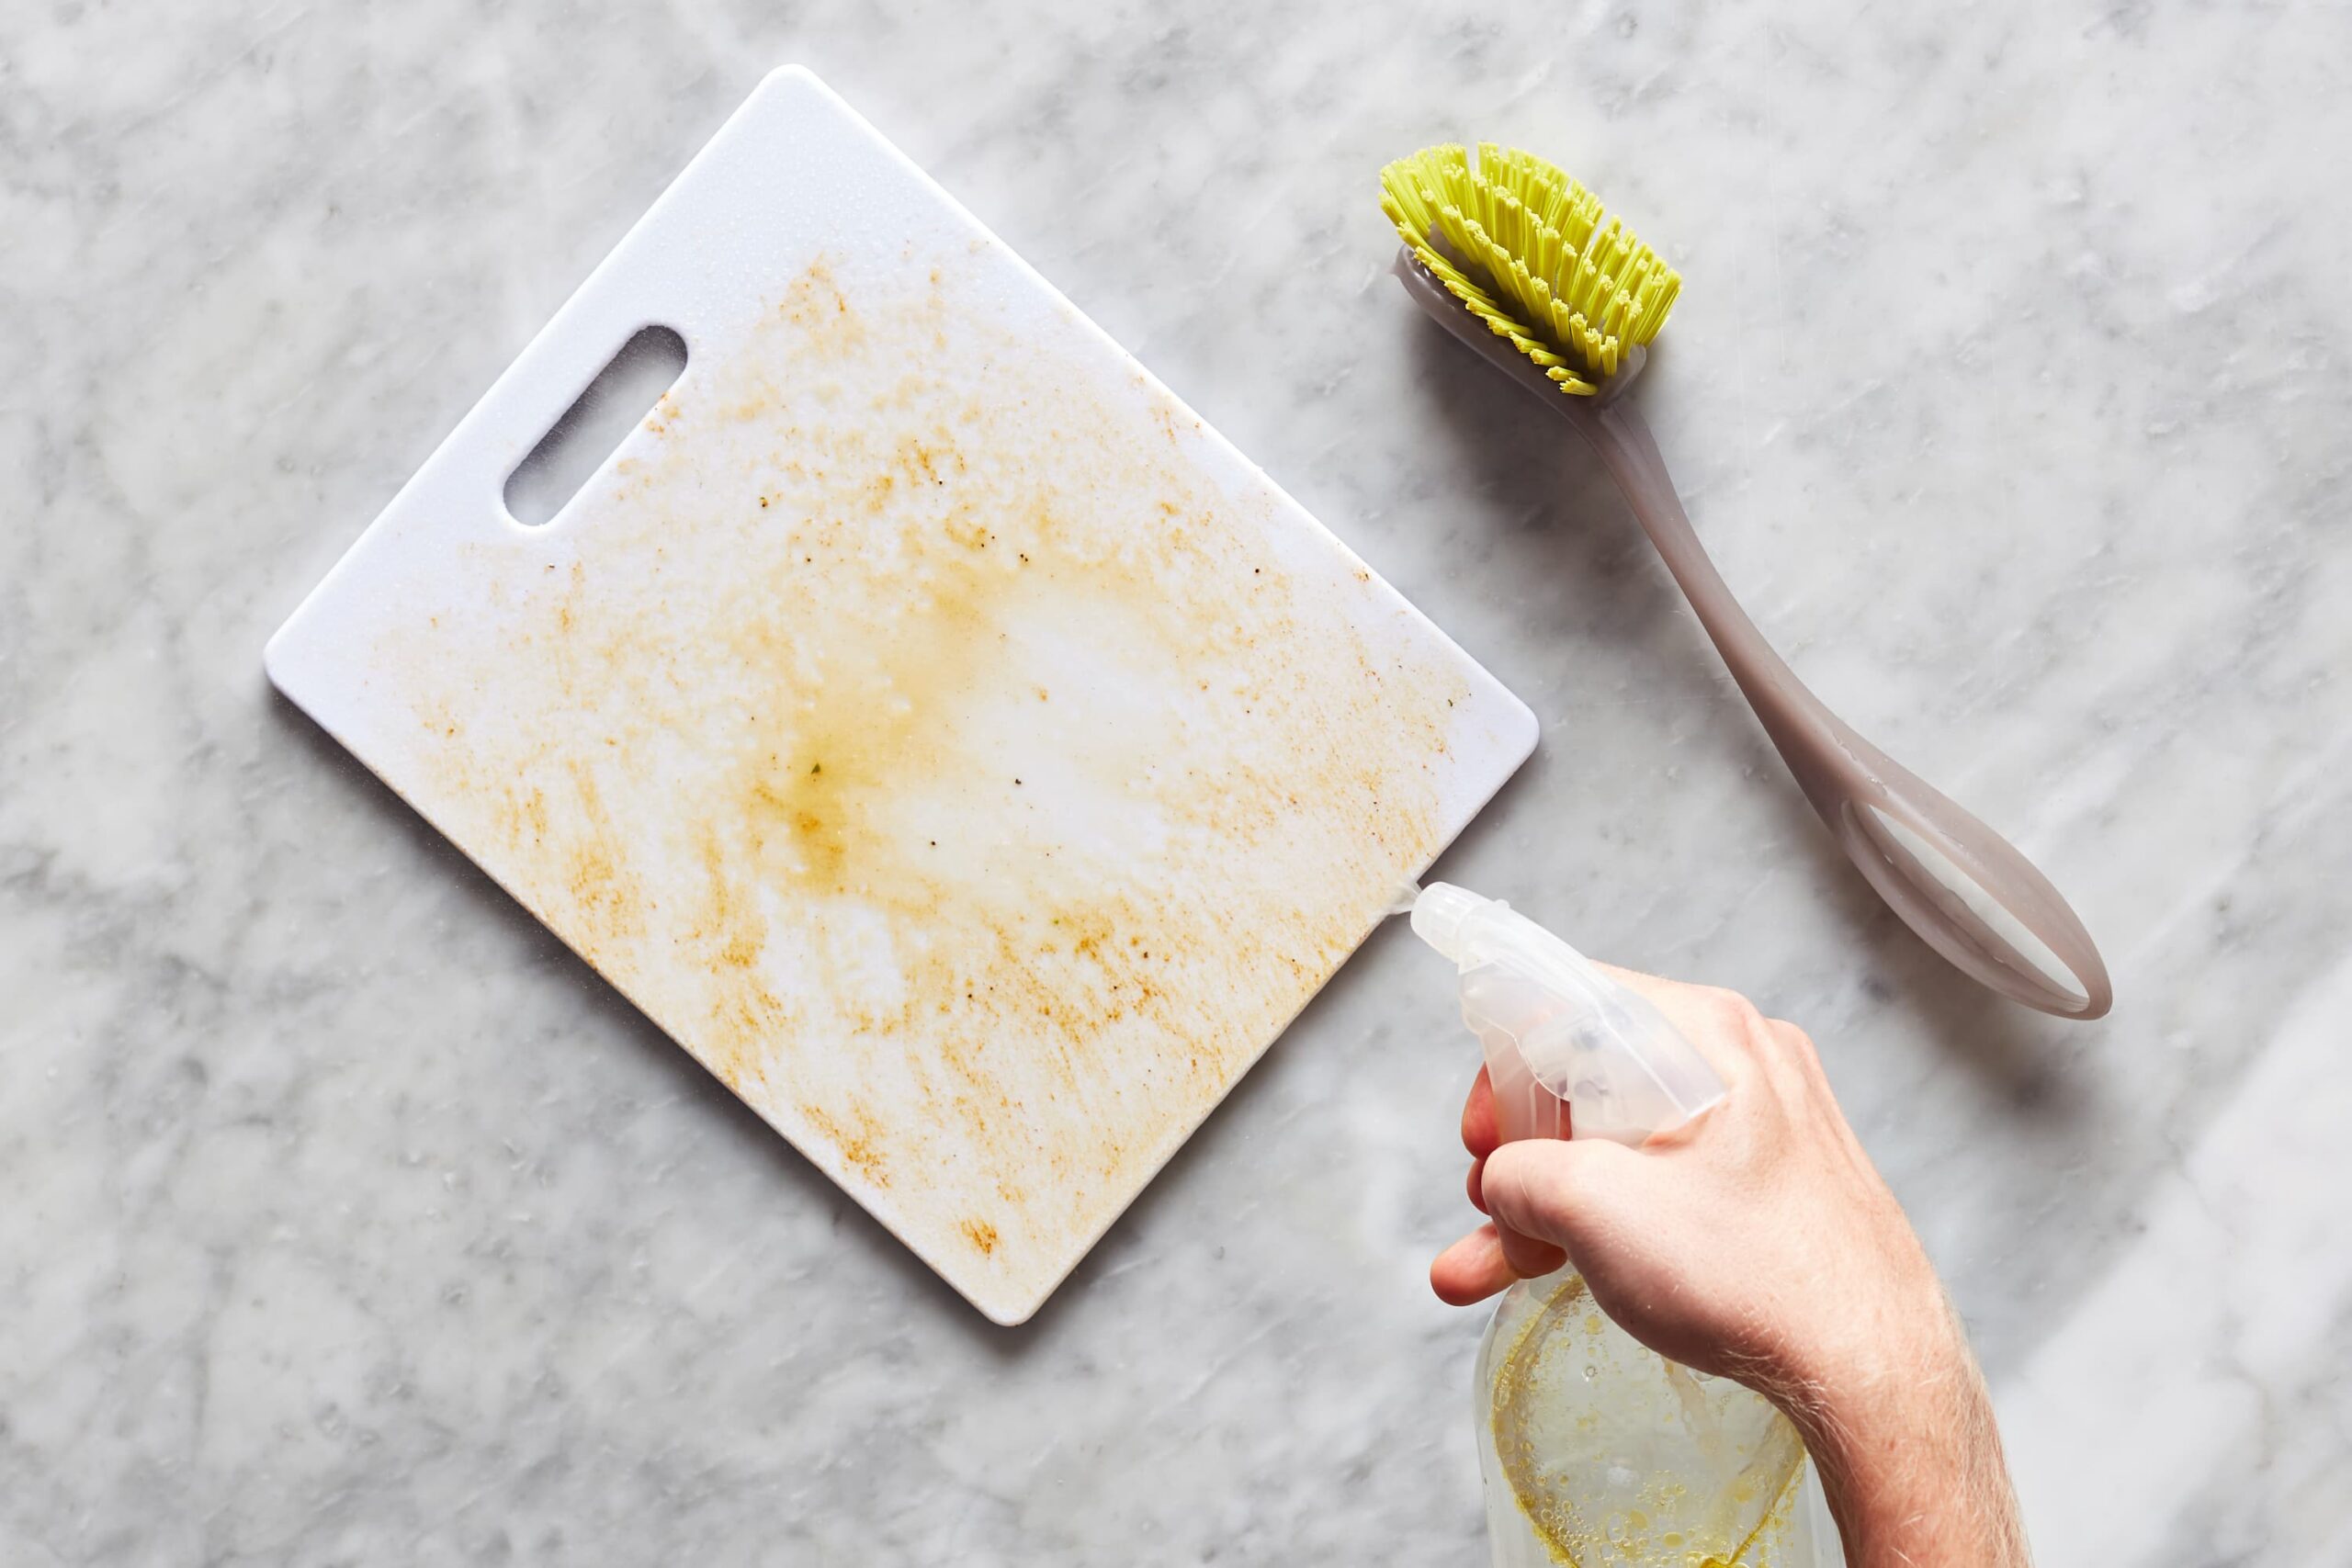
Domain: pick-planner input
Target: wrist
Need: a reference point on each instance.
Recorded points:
(1881, 1369)
(1903, 1436)
(1853, 1407)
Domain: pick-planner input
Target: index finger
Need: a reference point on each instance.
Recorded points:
(1479, 1133)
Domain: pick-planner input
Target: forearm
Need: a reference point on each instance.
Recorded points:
(1910, 1459)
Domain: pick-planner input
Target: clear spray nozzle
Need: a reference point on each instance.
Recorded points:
(1442, 916)
(1556, 1029)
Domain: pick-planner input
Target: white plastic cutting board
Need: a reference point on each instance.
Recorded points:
(959, 748)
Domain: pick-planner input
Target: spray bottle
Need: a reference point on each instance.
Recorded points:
(1595, 1449)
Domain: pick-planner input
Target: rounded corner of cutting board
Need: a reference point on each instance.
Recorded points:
(273, 661)
(1009, 1313)
(792, 76)
(1526, 732)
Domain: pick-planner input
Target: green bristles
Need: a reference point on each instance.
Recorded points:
(1532, 254)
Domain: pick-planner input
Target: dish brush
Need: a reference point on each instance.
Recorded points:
(1525, 266)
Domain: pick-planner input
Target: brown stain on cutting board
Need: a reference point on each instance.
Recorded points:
(858, 1144)
(978, 794)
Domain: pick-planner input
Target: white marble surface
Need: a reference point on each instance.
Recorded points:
(344, 1217)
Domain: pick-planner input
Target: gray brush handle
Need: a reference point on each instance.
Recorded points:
(1962, 887)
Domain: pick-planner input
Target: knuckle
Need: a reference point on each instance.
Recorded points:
(1735, 1013)
(1527, 1184)
(1737, 1022)
(1793, 1043)
(1789, 1062)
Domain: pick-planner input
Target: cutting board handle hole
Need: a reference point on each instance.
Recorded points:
(593, 428)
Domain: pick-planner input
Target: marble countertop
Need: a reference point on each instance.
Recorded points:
(345, 1217)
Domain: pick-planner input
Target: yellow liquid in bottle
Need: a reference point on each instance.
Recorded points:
(1617, 1457)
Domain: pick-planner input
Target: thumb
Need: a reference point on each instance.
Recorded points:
(1550, 1189)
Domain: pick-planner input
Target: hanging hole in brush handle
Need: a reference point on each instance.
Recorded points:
(1963, 888)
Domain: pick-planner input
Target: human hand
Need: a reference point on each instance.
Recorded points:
(1758, 1242)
